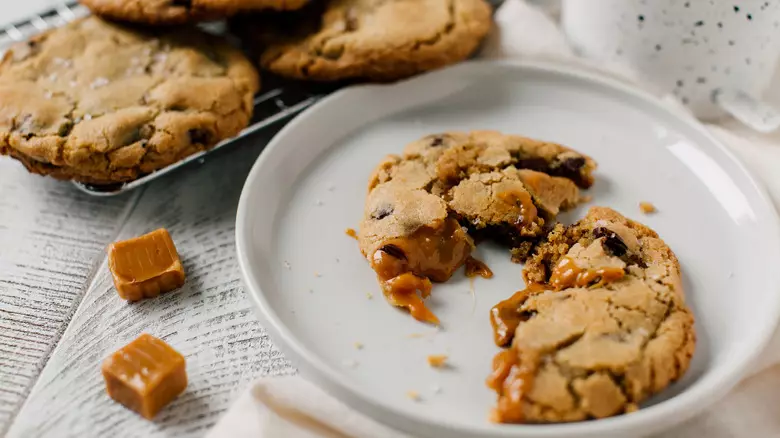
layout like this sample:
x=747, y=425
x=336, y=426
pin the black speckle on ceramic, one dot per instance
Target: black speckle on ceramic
x=736, y=8
x=680, y=82
x=640, y=18
x=731, y=42
x=658, y=47
x=685, y=100
x=749, y=16
x=699, y=23
x=720, y=25
x=701, y=80
x=687, y=4
x=748, y=61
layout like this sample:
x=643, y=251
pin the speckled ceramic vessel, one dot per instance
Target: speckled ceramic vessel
x=691, y=48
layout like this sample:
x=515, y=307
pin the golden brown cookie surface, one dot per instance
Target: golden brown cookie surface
x=100, y=103
x=368, y=39
x=157, y=12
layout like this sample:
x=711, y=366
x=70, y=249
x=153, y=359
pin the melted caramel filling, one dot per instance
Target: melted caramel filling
x=511, y=379
x=506, y=315
x=351, y=233
x=476, y=267
x=401, y=291
x=528, y=212
x=403, y=264
x=568, y=274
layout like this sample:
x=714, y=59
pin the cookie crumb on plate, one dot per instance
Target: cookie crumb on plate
x=647, y=207
x=369, y=295
x=437, y=360
x=359, y=345
x=413, y=395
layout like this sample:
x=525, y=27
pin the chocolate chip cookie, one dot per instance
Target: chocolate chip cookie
x=101, y=103
x=425, y=208
x=602, y=326
x=159, y=12
x=367, y=39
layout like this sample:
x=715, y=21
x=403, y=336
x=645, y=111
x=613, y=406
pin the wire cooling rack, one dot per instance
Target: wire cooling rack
x=273, y=104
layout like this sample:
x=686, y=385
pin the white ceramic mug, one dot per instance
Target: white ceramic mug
x=694, y=49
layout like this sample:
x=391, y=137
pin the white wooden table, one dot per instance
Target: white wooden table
x=59, y=314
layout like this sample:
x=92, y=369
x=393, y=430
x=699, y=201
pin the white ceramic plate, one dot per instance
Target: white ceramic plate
x=310, y=282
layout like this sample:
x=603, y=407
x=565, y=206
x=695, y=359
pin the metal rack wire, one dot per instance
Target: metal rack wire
x=270, y=106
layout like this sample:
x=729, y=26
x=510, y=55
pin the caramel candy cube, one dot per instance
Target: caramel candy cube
x=145, y=266
x=145, y=375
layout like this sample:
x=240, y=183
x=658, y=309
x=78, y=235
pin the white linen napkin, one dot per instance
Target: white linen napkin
x=291, y=407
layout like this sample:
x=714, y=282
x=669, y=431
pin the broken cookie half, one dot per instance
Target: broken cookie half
x=425, y=208
x=602, y=326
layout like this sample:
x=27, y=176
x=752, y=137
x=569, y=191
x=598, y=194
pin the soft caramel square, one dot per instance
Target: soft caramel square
x=145, y=375
x=145, y=266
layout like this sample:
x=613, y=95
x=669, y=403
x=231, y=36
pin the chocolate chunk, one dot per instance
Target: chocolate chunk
x=382, y=212
x=393, y=251
x=535, y=163
x=612, y=242
x=437, y=141
x=184, y=3
x=573, y=164
x=200, y=136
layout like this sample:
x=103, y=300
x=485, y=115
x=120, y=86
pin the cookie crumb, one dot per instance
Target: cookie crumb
x=358, y=345
x=351, y=363
x=369, y=295
x=413, y=395
x=586, y=199
x=287, y=265
x=317, y=274
x=647, y=207
x=351, y=233
x=436, y=389
x=437, y=360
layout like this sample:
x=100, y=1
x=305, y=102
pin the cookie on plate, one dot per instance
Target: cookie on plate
x=426, y=207
x=602, y=326
x=373, y=40
x=158, y=12
x=100, y=103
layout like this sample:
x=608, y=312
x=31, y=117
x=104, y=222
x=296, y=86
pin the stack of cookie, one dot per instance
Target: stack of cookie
x=108, y=99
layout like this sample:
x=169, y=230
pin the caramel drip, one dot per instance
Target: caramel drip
x=506, y=315
x=407, y=265
x=401, y=291
x=528, y=212
x=476, y=267
x=567, y=274
x=351, y=233
x=511, y=378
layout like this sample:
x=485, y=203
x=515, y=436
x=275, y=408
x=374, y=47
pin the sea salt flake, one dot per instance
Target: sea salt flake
x=99, y=82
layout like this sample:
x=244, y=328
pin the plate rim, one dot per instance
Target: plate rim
x=652, y=418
